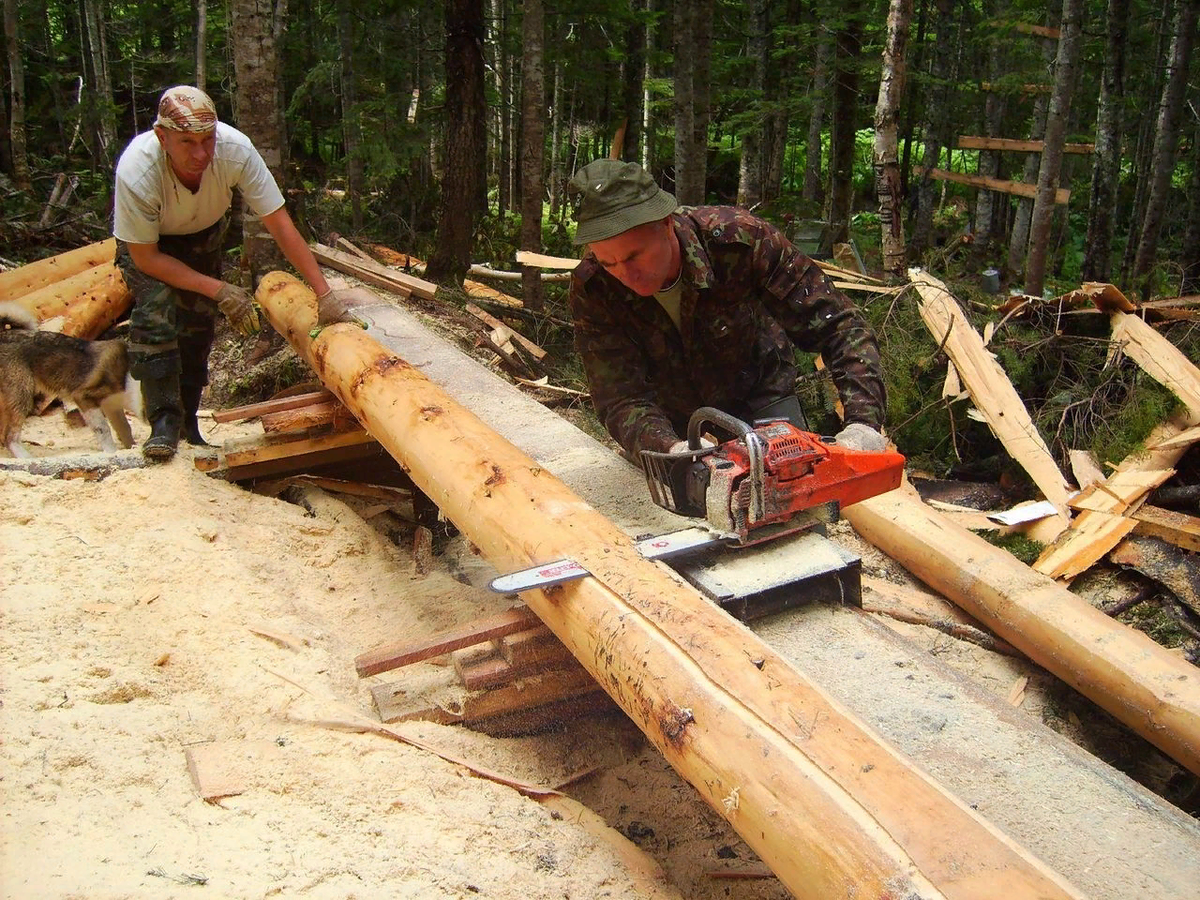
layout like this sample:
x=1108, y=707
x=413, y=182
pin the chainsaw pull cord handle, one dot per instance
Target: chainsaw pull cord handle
x=755, y=450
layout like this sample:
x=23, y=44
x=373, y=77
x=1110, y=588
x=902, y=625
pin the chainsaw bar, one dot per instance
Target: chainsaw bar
x=661, y=547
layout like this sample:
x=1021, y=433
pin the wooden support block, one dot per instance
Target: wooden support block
x=393, y=656
x=537, y=646
x=331, y=413
x=271, y=406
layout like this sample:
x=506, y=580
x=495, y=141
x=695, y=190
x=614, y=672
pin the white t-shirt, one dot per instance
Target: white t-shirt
x=151, y=200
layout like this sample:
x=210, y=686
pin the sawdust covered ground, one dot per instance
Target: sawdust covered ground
x=161, y=611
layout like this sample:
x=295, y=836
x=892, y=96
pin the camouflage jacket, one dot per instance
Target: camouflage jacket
x=750, y=298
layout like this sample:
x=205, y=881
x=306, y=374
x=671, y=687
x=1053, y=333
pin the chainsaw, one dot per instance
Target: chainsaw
x=768, y=480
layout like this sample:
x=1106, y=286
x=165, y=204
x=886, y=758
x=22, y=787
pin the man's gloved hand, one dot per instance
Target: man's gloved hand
x=857, y=436
x=238, y=306
x=682, y=446
x=331, y=309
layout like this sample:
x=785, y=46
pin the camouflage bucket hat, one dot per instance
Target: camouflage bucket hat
x=616, y=196
x=186, y=108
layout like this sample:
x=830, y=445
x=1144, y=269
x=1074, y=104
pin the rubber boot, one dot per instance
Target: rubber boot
x=160, y=397
x=189, y=394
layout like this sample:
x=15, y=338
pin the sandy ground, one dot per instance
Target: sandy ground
x=160, y=612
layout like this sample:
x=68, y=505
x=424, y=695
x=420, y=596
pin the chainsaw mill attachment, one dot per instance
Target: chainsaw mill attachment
x=759, y=484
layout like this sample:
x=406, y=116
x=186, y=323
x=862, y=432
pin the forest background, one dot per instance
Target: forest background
x=450, y=130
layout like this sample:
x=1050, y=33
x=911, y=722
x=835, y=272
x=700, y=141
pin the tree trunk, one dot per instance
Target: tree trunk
x=16, y=73
x=1166, y=142
x=847, y=60
x=1190, y=260
x=1069, y=49
x=648, y=160
x=557, y=175
x=100, y=90
x=1106, y=168
x=632, y=71
x=351, y=126
x=255, y=29
x=533, y=136
x=824, y=803
x=201, y=41
x=500, y=63
x=813, y=183
x=887, y=156
x=937, y=123
x=689, y=157
x=1018, y=242
x=988, y=203
x=466, y=137
x=1143, y=155
x=750, y=172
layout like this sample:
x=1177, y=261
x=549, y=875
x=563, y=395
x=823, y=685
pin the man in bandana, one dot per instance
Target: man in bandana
x=174, y=188
x=681, y=307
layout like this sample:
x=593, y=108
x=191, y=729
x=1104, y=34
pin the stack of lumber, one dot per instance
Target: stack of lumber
x=80, y=292
x=506, y=675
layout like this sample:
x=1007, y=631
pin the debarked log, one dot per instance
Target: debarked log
x=32, y=276
x=89, y=301
x=831, y=808
x=1151, y=690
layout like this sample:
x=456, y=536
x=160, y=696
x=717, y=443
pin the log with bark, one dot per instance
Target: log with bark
x=831, y=808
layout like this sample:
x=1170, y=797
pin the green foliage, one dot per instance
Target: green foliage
x=1022, y=547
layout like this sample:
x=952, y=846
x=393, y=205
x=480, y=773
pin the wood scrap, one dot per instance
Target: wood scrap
x=396, y=655
x=422, y=550
x=919, y=607
x=1174, y=527
x=275, y=456
x=84, y=466
x=227, y=768
x=487, y=318
x=253, y=410
x=542, y=384
x=332, y=413
x=990, y=389
x=375, y=274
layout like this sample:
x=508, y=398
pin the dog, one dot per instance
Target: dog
x=37, y=367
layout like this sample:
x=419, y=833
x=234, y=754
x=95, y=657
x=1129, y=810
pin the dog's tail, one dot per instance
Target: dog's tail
x=133, y=397
x=15, y=317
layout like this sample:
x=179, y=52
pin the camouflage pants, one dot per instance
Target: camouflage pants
x=169, y=328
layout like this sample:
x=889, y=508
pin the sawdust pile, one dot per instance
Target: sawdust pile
x=160, y=612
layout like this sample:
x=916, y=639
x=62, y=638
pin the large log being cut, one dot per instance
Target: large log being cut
x=829, y=807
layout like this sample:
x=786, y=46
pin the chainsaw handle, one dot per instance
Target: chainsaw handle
x=755, y=450
x=710, y=415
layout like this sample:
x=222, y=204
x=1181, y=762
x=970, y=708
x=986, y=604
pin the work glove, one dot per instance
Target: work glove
x=682, y=446
x=332, y=308
x=238, y=306
x=857, y=436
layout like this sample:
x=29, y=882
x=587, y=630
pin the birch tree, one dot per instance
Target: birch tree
x=750, y=172
x=1106, y=167
x=201, y=41
x=1166, y=141
x=16, y=73
x=533, y=131
x=888, y=185
x=936, y=124
x=1069, y=42
x=1018, y=239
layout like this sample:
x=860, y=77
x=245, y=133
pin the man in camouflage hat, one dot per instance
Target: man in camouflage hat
x=174, y=187
x=681, y=307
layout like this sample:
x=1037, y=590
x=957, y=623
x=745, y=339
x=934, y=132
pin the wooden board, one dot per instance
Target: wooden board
x=1020, y=189
x=250, y=411
x=971, y=142
x=1178, y=528
x=373, y=273
x=398, y=654
x=486, y=317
